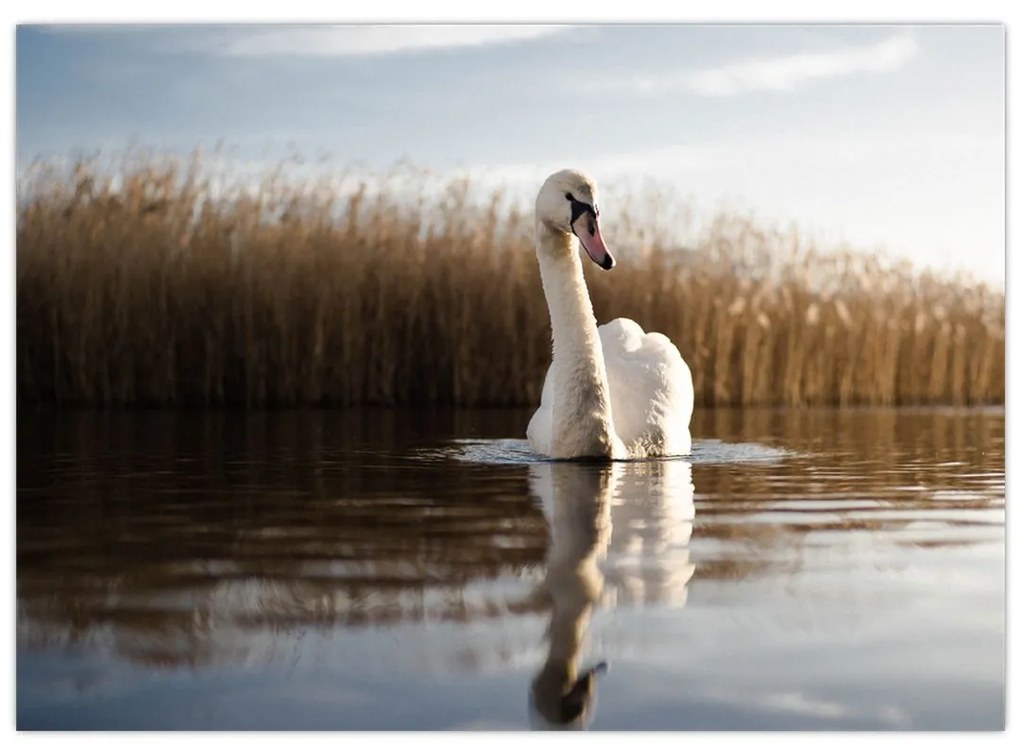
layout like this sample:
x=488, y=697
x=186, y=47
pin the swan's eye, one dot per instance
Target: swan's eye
x=570, y=197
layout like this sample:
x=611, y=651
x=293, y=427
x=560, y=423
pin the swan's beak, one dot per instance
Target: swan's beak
x=586, y=228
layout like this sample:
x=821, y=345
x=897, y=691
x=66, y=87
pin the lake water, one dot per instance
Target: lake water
x=816, y=569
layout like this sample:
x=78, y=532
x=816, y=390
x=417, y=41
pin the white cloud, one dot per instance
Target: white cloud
x=280, y=40
x=331, y=41
x=784, y=72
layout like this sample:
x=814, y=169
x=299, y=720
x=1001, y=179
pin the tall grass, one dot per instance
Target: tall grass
x=156, y=283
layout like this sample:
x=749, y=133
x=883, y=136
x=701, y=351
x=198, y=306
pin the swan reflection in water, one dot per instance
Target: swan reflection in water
x=635, y=520
x=224, y=582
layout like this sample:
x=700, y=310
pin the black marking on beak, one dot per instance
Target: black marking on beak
x=579, y=208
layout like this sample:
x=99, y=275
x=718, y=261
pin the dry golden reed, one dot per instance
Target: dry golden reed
x=151, y=283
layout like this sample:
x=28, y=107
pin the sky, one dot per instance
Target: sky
x=887, y=137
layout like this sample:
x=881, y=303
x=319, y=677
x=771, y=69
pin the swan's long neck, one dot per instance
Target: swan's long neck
x=582, y=421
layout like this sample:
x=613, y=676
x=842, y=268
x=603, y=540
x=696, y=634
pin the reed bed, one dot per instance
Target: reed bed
x=156, y=282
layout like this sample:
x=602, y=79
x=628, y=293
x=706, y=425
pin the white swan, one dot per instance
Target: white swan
x=611, y=392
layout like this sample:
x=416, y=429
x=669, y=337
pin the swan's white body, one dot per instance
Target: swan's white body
x=613, y=391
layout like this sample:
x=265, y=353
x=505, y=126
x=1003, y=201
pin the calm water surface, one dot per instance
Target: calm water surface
x=376, y=570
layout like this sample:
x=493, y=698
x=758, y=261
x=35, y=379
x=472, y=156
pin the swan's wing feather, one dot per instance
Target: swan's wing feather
x=650, y=387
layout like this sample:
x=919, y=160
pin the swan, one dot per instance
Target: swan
x=613, y=391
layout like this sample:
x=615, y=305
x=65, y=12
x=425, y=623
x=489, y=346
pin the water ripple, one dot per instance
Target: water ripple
x=519, y=452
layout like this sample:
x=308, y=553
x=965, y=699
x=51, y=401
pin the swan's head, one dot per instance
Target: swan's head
x=568, y=203
x=557, y=702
